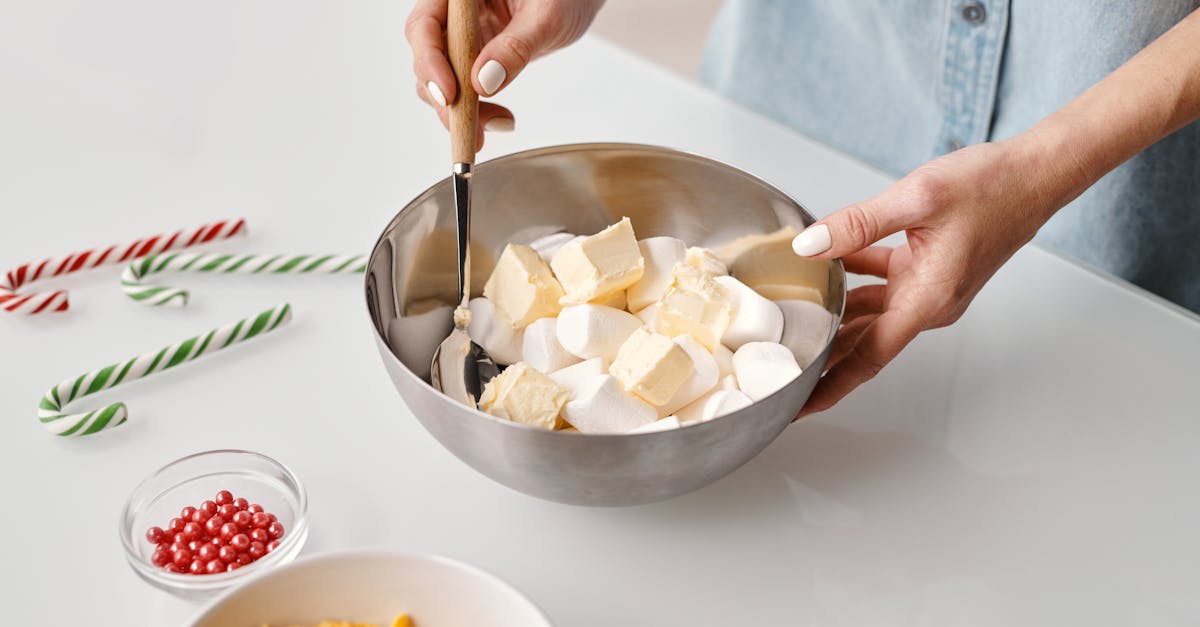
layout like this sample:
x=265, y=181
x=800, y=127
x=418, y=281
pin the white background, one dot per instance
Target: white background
x=1035, y=464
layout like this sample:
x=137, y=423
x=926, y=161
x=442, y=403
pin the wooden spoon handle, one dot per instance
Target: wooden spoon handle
x=462, y=42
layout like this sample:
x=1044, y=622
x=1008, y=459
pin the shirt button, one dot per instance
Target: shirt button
x=974, y=13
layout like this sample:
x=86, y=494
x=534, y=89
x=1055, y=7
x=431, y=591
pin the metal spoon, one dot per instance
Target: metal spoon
x=461, y=367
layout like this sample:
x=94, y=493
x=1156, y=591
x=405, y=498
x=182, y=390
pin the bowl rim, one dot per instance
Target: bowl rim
x=208, y=583
x=577, y=147
x=360, y=553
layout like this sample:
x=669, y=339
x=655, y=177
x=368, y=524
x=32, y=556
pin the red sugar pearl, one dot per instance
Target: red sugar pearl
x=260, y=520
x=241, y=542
x=255, y=508
x=187, y=512
x=260, y=535
x=242, y=519
x=172, y=568
x=181, y=557
x=213, y=525
x=155, y=535
x=241, y=503
x=214, y=566
x=160, y=558
x=257, y=550
x=244, y=558
x=176, y=525
x=192, y=531
x=272, y=546
x=228, y=554
x=227, y=511
x=209, y=507
x=196, y=567
x=232, y=566
x=223, y=497
x=195, y=545
x=228, y=530
x=276, y=530
x=207, y=553
x=199, y=516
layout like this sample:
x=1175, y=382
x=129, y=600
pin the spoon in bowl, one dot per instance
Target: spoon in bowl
x=461, y=368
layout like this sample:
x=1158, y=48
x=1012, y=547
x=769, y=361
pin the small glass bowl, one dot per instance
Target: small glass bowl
x=196, y=478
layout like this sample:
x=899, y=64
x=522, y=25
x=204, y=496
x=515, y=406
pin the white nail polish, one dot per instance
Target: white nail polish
x=500, y=125
x=435, y=92
x=812, y=241
x=491, y=76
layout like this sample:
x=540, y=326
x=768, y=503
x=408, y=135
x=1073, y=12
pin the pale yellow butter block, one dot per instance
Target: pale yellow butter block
x=768, y=260
x=706, y=261
x=594, y=268
x=652, y=366
x=694, y=305
x=522, y=394
x=523, y=287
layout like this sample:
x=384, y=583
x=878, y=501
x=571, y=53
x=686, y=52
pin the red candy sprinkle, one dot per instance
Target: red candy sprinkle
x=216, y=536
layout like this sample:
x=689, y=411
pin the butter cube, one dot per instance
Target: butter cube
x=594, y=268
x=705, y=261
x=651, y=366
x=768, y=264
x=522, y=394
x=522, y=286
x=694, y=305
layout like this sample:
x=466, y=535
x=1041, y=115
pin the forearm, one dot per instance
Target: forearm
x=1149, y=97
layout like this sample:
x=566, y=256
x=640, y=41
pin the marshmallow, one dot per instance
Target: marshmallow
x=703, y=378
x=602, y=406
x=523, y=287
x=592, y=269
x=665, y=424
x=713, y=405
x=493, y=331
x=755, y=319
x=547, y=245
x=696, y=305
x=414, y=338
x=573, y=377
x=762, y=368
x=768, y=260
x=588, y=331
x=705, y=261
x=649, y=317
x=540, y=347
x=651, y=366
x=660, y=255
x=806, y=328
x=729, y=382
x=522, y=394
x=724, y=358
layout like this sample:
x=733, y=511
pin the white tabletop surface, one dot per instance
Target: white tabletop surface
x=1035, y=464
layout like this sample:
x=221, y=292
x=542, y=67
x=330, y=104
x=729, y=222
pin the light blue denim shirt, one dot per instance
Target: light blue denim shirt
x=898, y=82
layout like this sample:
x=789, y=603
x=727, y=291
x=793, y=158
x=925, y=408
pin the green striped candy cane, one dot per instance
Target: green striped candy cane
x=132, y=280
x=51, y=411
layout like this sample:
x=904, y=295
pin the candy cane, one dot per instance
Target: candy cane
x=51, y=410
x=135, y=288
x=39, y=302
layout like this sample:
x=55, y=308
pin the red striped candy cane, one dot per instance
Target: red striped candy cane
x=40, y=302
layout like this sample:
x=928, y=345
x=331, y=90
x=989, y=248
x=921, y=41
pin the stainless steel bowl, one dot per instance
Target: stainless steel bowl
x=578, y=188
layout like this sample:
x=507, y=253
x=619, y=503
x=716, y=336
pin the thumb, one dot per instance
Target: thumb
x=503, y=58
x=851, y=229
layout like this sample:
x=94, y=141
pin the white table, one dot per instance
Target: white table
x=1033, y=465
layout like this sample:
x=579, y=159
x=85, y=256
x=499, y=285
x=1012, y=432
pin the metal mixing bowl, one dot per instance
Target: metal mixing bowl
x=579, y=188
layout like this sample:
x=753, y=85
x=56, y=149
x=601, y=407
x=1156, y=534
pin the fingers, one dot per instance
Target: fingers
x=425, y=32
x=854, y=228
x=871, y=261
x=492, y=117
x=503, y=58
x=865, y=300
x=879, y=343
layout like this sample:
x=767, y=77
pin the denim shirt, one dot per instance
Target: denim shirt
x=898, y=82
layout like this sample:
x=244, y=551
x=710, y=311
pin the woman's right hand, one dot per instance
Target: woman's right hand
x=512, y=33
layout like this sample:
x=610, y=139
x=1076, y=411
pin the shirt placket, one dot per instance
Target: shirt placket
x=972, y=53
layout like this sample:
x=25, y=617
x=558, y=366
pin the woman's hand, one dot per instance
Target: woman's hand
x=512, y=33
x=964, y=214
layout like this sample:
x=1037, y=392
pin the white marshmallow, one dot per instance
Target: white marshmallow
x=755, y=319
x=704, y=376
x=588, y=331
x=602, y=406
x=660, y=254
x=649, y=317
x=547, y=245
x=666, y=424
x=573, y=377
x=492, y=330
x=729, y=382
x=540, y=347
x=414, y=338
x=724, y=358
x=764, y=367
x=713, y=405
x=806, y=327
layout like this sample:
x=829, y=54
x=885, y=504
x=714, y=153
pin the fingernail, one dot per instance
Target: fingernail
x=812, y=241
x=491, y=77
x=435, y=92
x=500, y=125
